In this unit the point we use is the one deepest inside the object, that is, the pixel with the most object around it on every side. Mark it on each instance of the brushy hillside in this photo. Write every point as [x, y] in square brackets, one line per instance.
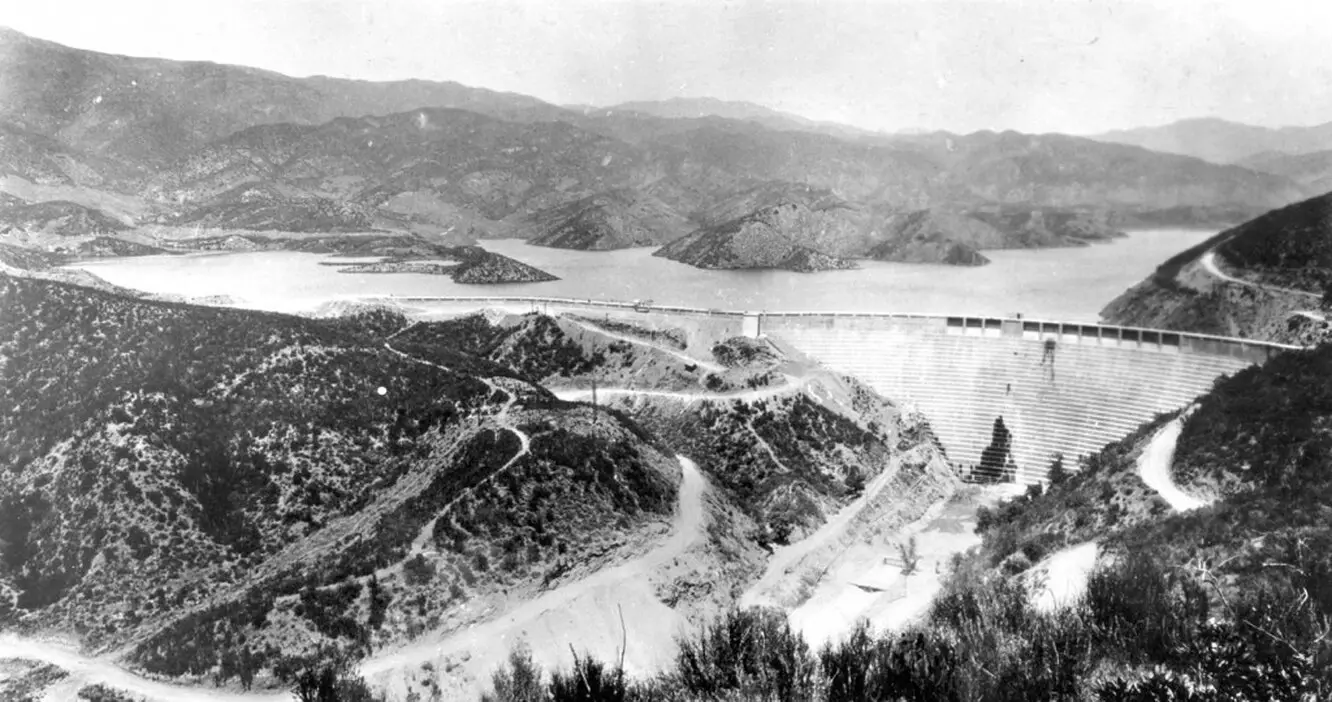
[1232, 601]
[228, 493]
[57, 217]
[780, 236]
[1283, 258]
[614, 219]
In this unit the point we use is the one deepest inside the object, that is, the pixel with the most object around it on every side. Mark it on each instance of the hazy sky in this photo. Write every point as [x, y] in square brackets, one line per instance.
[1072, 66]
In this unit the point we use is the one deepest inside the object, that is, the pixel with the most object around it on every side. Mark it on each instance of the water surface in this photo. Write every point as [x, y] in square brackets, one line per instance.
[1067, 284]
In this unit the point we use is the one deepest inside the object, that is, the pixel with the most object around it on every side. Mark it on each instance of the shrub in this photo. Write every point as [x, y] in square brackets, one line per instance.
[589, 680]
[520, 681]
[1143, 609]
[751, 652]
[329, 677]
[417, 570]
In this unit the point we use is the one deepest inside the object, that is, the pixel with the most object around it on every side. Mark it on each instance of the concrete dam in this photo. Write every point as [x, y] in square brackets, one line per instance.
[1060, 388]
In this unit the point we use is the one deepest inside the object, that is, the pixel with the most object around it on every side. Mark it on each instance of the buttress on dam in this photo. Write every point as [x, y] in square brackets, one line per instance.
[1060, 388]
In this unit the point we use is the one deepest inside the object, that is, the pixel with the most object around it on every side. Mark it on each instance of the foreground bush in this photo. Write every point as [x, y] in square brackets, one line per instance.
[1144, 631]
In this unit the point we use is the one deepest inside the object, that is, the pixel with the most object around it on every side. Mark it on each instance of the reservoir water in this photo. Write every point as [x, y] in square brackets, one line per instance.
[1070, 284]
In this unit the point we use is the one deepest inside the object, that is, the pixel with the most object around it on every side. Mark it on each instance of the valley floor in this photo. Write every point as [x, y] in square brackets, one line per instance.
[866, 581]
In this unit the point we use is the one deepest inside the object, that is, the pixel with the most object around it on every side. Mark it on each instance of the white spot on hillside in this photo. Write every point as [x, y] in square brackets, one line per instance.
[421, 120]
[382, 391]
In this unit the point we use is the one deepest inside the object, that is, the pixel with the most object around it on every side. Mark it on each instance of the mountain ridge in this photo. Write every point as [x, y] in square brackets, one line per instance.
[1223, 141]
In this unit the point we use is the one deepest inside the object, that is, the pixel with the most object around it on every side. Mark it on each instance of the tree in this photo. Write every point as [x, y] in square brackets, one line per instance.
[995, 459]
[855, 483]
[1058, 473]
[910, 556]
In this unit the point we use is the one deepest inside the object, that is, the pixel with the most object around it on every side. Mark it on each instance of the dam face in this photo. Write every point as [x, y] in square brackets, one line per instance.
[1059, 388]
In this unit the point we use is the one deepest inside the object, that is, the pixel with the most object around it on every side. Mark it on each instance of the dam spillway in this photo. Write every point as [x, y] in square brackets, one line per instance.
[1060, 388]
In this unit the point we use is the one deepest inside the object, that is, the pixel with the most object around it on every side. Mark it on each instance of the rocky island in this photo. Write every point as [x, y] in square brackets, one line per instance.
[465, 264]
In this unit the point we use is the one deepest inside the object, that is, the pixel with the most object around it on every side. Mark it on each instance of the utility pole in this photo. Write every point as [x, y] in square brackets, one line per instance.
[594, 400]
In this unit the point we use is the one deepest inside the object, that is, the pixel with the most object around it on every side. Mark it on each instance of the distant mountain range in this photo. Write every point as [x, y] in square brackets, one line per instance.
[700, 107]
[1220, 141]
[225, 147]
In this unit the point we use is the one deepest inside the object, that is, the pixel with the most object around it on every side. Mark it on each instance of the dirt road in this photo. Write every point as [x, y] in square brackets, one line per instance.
[1155, 462]
[87, 670]
[582, 613]
[1208, 261]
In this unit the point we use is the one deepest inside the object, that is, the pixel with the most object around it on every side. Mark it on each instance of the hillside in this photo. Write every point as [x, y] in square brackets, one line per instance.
[58, 218]
[615, 219]
[933, 236]
[1246, 281]
[1027, 228]
[773, 237]
[1220, 141]
[1188, 561]
[472, 162]
[150, 139]
[693, 108]
[268, 208]
[148, 112]
[203, 484]
[229, 495]
[1311, 169]
[843, 228]
[1062, 171]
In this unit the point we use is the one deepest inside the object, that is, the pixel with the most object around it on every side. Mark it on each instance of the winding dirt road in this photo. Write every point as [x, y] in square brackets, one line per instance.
[87, 670]
[1155, 462]
[1208, 261]
[1067, 571]
[574, 613]
[579, 394]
